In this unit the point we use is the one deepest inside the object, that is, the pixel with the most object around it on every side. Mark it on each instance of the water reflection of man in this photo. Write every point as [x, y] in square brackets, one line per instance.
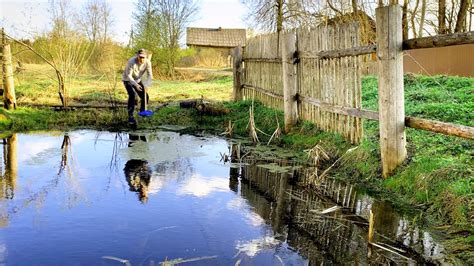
[133, 138]
[138, 175]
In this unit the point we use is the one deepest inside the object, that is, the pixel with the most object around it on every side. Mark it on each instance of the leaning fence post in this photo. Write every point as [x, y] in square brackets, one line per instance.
[237, 70]
[391, 96]
[9, 99]
[288, 50]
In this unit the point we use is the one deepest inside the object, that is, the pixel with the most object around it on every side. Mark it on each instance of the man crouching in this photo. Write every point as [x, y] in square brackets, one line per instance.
[136, 76]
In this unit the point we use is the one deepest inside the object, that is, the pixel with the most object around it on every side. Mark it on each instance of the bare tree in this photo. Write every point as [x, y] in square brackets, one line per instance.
[159, 25]
[405, 19]
[146, 30]
[422, 18]
[442, 17]
[461, 20]
[61, 13]
[275, 15]
[174, 16]
[95, 20]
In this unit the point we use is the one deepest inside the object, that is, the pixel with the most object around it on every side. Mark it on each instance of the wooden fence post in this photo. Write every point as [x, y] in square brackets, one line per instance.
[9, 99]
[391, 95]
[237, 70]
[2, 36]
[288, 49]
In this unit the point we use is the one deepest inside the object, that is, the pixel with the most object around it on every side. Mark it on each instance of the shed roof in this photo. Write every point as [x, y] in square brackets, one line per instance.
[215, 37]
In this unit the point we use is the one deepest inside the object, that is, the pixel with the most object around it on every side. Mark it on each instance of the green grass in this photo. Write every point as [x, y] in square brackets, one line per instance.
[437, 177]
[37, 85]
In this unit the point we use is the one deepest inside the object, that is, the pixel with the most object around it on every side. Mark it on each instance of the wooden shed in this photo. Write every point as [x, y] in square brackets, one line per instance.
[214, 45]
[215, 38]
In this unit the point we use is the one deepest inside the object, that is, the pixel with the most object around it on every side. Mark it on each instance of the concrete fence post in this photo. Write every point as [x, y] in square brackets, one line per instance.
[288, 49]
[391, 95]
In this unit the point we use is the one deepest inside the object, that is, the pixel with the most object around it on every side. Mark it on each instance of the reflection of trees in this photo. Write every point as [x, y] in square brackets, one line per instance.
[138, 176]
[73, 188]
[64, 154]
[9, 174]
[179, 169]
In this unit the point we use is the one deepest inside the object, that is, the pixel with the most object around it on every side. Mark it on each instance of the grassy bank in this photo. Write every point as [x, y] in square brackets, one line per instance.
[437, 177]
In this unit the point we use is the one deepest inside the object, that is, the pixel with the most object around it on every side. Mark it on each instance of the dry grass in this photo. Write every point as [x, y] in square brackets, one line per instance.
[36, 84]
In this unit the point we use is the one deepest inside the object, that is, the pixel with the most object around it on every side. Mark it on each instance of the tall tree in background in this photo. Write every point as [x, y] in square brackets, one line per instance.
[61, 13]
[442, 17]
[159, 25]
[95, 20]
[275, 15]
[461, 19]
[146, 32]
[405, 20]
[174, 16]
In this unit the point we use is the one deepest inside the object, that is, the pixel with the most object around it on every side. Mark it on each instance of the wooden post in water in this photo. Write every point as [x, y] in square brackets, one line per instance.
[237, 70]
[288, 49]
[9, 99]
[11, 166]
[391, 96]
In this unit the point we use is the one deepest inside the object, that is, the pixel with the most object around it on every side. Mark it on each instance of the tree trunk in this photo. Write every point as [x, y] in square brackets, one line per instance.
[405, 20]
[442, 17]
[422, 18]
[279, 15]
[354, 6]
[460, 22]
[412, 19]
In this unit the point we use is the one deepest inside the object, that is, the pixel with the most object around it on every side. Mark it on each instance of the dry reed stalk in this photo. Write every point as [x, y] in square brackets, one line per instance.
[229, 129]
[330, 167]
[317, 153]
[251, 126]
[371, 227]
[276, 134]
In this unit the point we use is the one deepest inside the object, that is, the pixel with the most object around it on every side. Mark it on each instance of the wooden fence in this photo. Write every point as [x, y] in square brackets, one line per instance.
[294, 212]
[263, 74]
[315, 75]
[330, 82]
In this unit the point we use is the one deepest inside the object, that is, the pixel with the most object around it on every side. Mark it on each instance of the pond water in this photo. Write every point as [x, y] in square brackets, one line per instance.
[151, 198]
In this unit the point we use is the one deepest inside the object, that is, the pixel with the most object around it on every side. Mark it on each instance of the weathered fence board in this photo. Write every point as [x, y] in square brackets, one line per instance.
[261, 70]
[330, 81]
[391, 95]
[288, 45]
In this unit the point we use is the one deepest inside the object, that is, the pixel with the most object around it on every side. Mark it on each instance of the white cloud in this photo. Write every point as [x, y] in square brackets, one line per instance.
[253, 247]
[200, 186]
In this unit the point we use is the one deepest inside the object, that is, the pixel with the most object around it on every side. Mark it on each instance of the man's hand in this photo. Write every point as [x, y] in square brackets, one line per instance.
[138, 87]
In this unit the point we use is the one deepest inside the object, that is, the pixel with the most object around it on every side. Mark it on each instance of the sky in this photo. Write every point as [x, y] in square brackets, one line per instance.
[27, 18]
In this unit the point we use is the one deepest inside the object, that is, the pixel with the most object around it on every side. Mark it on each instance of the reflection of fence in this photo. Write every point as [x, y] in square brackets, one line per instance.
[342, 235]
[315, 75]
[292, 213]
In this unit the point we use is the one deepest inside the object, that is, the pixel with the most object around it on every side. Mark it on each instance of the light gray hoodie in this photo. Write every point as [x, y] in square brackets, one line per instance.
[135, 73]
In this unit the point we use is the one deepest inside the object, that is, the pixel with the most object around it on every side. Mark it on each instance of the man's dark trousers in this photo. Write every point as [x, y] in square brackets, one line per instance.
[132, 92]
